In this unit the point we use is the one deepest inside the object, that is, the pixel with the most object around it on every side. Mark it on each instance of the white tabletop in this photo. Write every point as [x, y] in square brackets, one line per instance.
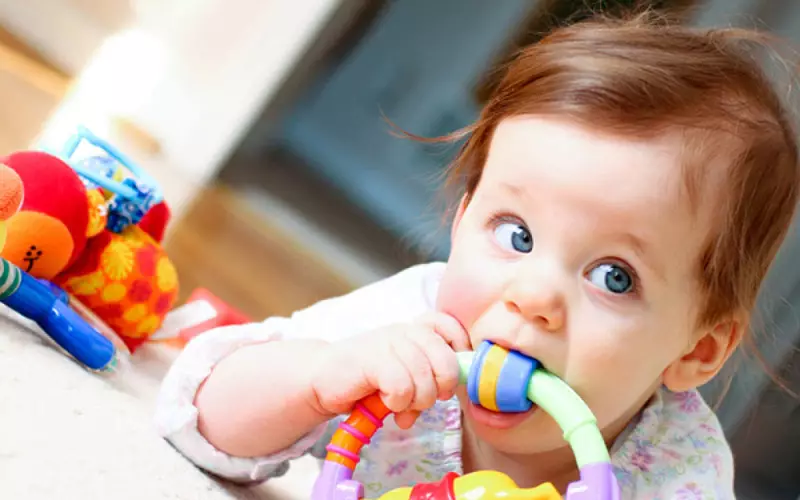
[66, 433]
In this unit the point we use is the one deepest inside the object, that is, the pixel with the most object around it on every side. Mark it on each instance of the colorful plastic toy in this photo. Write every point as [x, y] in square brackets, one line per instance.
[92, 223]
[37, 301]
[224, 315]
[124, 276]
[132, 192]
[501, 381]
[202, 311]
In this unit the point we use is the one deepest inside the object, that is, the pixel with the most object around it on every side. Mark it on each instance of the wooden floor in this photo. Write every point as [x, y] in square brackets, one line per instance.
[222, 245]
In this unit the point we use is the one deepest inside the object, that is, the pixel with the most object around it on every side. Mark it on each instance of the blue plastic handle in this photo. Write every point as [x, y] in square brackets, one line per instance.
[84, 134]
[37, 302]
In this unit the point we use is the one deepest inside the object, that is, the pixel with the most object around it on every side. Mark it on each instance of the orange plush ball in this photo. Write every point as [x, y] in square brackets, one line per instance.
[39, 244]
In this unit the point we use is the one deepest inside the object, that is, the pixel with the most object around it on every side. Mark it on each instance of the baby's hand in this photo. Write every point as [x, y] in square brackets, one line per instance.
[411, 365]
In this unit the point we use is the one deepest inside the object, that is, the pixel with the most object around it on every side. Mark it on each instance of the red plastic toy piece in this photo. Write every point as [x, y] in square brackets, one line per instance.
[225, 315]
[440, 490]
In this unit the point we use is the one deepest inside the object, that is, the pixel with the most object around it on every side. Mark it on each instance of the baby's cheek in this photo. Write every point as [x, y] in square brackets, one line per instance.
[463, 295]
[612, 383]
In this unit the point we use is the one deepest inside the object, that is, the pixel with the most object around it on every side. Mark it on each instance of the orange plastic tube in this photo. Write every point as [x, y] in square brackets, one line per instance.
[364, 421]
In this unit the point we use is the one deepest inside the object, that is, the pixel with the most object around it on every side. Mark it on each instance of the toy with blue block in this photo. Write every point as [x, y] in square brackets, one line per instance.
[92, 223]
[42, 303]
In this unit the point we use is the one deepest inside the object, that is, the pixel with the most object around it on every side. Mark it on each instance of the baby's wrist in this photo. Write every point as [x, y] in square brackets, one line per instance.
[331, 379]
[320, 365]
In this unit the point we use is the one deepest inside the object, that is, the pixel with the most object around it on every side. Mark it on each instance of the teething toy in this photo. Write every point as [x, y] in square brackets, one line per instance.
[498, 380]
[37, 301]
[91, 224]
[124, 276]
[131, 191]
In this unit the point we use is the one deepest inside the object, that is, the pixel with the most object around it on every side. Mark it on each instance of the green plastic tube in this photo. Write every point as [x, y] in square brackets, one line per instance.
[554, 396]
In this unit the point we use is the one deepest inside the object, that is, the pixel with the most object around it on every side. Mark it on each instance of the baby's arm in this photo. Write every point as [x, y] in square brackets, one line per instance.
[178, 419]
[212, 419]
[241, 415]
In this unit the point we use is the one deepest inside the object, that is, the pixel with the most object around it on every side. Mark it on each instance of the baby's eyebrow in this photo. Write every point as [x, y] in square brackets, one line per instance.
[514, 190]
[643, 250]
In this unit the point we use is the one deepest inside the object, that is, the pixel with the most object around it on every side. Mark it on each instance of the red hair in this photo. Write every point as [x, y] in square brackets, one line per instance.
[642, 78]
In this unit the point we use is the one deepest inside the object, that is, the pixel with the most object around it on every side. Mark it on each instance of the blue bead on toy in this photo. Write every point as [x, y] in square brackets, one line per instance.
[511, 392]
[512, 386]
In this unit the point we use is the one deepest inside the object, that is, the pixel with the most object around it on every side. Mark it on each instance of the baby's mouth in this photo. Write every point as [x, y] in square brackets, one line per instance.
[508, 346]
[498, 384]
[497, 420]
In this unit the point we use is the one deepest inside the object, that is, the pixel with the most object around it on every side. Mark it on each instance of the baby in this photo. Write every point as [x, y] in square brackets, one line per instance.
[626, 188]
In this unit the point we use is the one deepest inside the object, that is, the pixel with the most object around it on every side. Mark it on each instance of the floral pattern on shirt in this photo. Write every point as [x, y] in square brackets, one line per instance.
[675, 449]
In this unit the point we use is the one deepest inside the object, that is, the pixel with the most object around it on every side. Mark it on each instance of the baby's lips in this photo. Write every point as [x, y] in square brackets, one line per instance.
[11, 192]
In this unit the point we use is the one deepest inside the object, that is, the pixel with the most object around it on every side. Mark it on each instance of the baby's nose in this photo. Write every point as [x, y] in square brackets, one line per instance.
[10, 192]
[540, 300]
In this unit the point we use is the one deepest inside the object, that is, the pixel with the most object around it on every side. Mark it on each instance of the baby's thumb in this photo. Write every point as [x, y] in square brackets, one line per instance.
[406, 419]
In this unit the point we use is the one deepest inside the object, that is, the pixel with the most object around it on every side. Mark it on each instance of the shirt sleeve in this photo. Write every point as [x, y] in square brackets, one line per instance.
[401, 297]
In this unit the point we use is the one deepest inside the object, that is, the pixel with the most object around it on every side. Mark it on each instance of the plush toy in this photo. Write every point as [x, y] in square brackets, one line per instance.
[50, 230]
[127, 279]
[62, 234]
[44, 304]
[155, 221]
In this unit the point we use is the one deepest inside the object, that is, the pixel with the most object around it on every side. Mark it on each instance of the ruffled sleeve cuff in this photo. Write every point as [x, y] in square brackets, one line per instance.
[176, 415]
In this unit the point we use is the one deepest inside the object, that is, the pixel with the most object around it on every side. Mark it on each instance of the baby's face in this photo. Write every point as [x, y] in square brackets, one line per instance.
[581, 250]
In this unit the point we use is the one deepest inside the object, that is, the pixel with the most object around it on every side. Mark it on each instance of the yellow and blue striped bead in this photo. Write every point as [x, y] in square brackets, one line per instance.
[499, 379]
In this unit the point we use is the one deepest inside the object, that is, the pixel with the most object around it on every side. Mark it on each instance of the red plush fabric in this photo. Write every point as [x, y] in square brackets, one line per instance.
[127, 280]
[155, 221]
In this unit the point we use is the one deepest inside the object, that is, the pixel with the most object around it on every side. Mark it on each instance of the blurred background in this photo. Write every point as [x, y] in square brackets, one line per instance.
[265, 120]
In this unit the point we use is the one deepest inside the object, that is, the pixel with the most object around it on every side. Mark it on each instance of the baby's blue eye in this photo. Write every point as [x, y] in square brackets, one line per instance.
[611, 277]
[515, 237]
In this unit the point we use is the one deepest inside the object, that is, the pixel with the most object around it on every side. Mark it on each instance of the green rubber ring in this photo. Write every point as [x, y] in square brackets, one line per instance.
[554, 396]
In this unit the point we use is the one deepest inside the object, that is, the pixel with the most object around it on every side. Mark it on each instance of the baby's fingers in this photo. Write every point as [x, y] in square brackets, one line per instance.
[406, 419]
[390, 376]
[442, 361]
[451, 330]
[419, 368]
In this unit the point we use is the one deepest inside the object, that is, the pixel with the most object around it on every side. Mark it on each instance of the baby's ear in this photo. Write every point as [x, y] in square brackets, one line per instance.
[705, 357]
